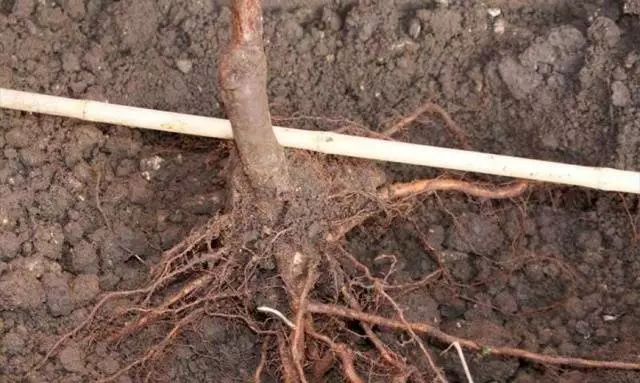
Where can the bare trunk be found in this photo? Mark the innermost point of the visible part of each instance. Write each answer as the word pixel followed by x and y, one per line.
pixel 243 82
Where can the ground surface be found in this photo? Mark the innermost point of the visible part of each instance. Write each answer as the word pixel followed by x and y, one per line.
pixel 85 208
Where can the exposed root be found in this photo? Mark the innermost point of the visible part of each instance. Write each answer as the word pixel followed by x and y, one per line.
pixel 163 309
pixel 343 352
pixel 388 355
pixel 257 375
pixel 86 322
pixel 429 107
pixel 401 190
pixel 427 329
pixel 415 337
pixel 281 316
pixel 289 373
pixel 298 343
pixel 378 286
pixel 158 349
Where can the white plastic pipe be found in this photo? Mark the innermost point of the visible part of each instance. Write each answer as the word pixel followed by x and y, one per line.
pixel 330 143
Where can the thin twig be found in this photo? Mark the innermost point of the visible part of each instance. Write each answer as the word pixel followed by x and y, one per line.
pixel 329 309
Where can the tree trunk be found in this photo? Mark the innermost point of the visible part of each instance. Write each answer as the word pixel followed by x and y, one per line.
pixel 243 83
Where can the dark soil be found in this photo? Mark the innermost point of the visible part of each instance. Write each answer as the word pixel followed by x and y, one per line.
pixel 86 208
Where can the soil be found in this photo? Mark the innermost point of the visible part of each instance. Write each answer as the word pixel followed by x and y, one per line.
pixel 87 208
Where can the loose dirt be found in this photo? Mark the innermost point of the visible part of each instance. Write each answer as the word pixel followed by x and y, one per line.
pixel 86 208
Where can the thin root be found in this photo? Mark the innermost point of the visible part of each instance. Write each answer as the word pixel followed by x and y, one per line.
pixel 343 352
pixel 401 190
pixel 257 376
pixel 463 361
pixel 431 108
pixel 424 328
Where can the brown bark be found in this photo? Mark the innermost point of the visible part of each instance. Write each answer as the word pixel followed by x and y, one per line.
pixel 243 84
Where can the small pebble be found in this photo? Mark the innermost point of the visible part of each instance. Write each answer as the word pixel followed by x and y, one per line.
pixel 414 28
pixel 184 65
pixel 494 12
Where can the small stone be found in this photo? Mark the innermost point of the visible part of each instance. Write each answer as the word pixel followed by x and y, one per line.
pixel 72 359
pixel 620 94
pixel 184 65
pixel 494 12
pixel 414 28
